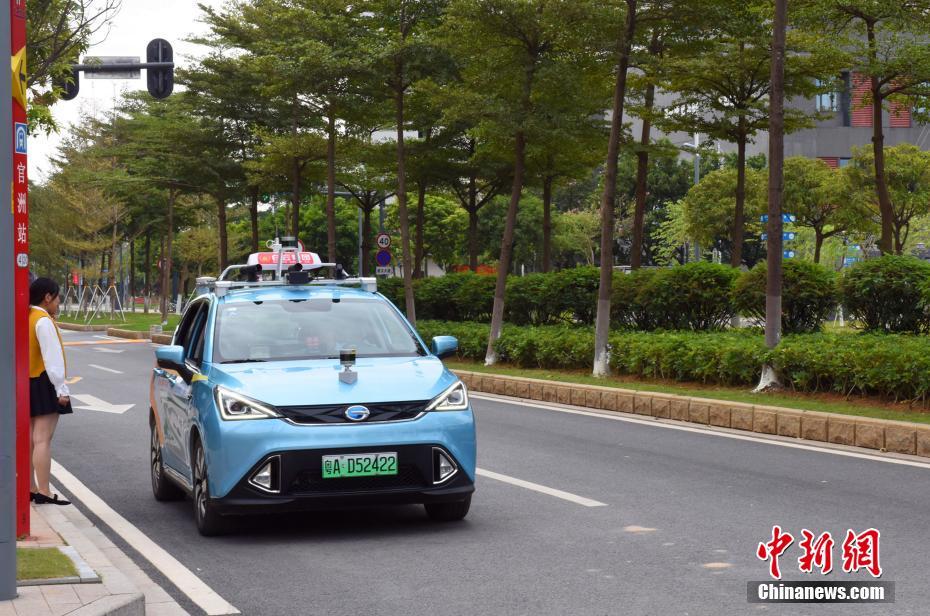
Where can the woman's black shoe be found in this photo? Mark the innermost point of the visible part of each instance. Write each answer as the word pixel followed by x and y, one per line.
pixel 41 499
pixel 32 497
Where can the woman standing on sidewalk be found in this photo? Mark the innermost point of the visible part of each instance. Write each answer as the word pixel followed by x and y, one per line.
pixel 48 392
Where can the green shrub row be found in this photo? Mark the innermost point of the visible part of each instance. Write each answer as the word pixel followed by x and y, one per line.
pixel 895 366
pixel 889 294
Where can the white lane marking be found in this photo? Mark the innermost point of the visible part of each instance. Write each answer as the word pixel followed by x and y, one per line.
pixel 103 350
pixel 179 575
pixel 104 368
pixel 529 485
pixel 105 337
pixel 93 403
pixel 661 423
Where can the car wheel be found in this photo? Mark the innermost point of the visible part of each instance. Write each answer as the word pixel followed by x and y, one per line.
pixel 209 522
pixel 162 487
pixel 448 512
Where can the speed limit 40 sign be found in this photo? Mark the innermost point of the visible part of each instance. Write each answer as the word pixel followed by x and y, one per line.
pixel 383 240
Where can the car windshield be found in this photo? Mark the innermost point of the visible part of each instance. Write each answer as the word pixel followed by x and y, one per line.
pixel 315 328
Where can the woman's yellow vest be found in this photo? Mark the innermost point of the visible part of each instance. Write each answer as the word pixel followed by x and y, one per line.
pixel 36 363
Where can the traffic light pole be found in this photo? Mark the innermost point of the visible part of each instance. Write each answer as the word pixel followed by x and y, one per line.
pixel 7 339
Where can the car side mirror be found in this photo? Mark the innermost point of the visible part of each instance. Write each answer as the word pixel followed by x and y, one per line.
pixel 444 346
pixel 170 357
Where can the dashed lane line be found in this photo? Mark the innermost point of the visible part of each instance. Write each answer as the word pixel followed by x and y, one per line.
pixel 104 368
pixel 529 485
pixel 179 575
pixel 99 342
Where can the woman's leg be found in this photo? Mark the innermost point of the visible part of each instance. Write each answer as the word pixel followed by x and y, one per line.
pixel 32 468
pixel 43 428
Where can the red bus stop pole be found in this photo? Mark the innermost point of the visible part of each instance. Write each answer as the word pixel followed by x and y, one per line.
pixel 20 207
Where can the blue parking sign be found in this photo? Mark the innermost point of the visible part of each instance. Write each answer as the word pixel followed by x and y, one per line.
pixel 21 132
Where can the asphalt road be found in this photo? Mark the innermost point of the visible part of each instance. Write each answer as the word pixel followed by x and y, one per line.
pixel 684 513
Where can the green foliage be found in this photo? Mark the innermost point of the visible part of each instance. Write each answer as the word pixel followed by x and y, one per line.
pixel 694 296
pixel 809 294
pixel 631 307
pixel 527 300
pixel 572 293
pixel 884 294
pixel 892 366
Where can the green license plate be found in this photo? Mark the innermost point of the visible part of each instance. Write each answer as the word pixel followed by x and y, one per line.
pixel 360 465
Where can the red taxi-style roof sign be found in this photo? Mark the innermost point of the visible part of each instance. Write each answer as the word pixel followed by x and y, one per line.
pixel 307 259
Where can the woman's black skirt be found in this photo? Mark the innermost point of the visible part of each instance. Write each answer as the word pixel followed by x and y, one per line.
pixel 42 398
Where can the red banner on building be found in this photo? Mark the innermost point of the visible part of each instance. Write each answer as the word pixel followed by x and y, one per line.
pixel 20 207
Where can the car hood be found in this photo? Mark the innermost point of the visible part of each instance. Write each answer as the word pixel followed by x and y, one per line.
pixel 312 382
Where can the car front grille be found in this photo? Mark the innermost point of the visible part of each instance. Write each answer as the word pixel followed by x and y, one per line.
pixel 335 413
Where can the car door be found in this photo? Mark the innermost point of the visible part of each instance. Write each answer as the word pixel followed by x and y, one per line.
pixel 176 394
pixel 193 363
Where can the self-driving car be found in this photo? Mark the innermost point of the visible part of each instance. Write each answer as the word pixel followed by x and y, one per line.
pixel 286 391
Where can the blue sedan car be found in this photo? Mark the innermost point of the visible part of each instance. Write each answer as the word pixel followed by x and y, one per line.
pixel 277 396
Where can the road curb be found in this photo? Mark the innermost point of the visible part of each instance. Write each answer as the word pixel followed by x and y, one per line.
pixel 75 327
pixel 127 333
pixel 162 338
pixel 877 434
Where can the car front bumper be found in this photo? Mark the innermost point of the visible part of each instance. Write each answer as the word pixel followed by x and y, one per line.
pixel 301 486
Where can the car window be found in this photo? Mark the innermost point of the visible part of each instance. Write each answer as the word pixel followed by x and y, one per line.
pixel 194 351
pixel 184 327
pixel 315 328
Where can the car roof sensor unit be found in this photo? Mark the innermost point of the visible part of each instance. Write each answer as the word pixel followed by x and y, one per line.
pixel 296 275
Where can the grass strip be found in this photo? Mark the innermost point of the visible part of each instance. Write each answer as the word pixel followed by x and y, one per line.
pixel 823 402
pixel 135 321
pixel 43 564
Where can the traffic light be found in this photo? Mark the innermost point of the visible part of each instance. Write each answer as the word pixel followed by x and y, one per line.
pixel 160 80
pixel 69 85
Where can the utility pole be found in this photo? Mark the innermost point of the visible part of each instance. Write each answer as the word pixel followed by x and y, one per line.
pixel 8 305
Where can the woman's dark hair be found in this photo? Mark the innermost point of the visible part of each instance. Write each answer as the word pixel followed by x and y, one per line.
pixel 41 287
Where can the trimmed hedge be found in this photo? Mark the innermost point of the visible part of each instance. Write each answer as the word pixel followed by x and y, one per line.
pixel 886 294
pixel 809 295
pixel 892 366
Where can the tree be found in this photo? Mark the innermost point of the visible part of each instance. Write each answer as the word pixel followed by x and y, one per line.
pixel 709 208
pixel 814 193
pixel 884 41
pixel 624 46
pixel 58 32
pixel 723 89
pixel 907 175
pixel 511 53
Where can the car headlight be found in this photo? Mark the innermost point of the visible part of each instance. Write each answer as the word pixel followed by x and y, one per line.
pixel 454 398
pixel 234 407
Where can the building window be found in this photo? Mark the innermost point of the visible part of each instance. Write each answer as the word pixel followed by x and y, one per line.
pixel 844 162
pixel 827 101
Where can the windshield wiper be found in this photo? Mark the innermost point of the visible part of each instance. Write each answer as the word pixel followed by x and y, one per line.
pixel 242 361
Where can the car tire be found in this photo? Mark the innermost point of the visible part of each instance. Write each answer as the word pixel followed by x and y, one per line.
pixel 163 488
pixel 448 512
pixel 209 522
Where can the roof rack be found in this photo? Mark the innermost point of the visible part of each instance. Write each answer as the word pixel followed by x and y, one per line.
pixel 285 251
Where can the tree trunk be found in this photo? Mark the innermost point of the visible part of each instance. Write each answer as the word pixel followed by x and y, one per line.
pixel 602 321
pixel 166 290
pixel 364 266
pixel 472 223
pixel 547 224
pixel 421 220
pixel 818 243
pixel 878 149
pixel 162 309
pixel 253 217
pixel 642 175
pixel 402 191
pixel 773 283
pixel 224 234
pixel 111 280
pixel 739 223
pixel 147 282
pixel 295 199
pixel 497 312
pixel 331 186
pixel 132 271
